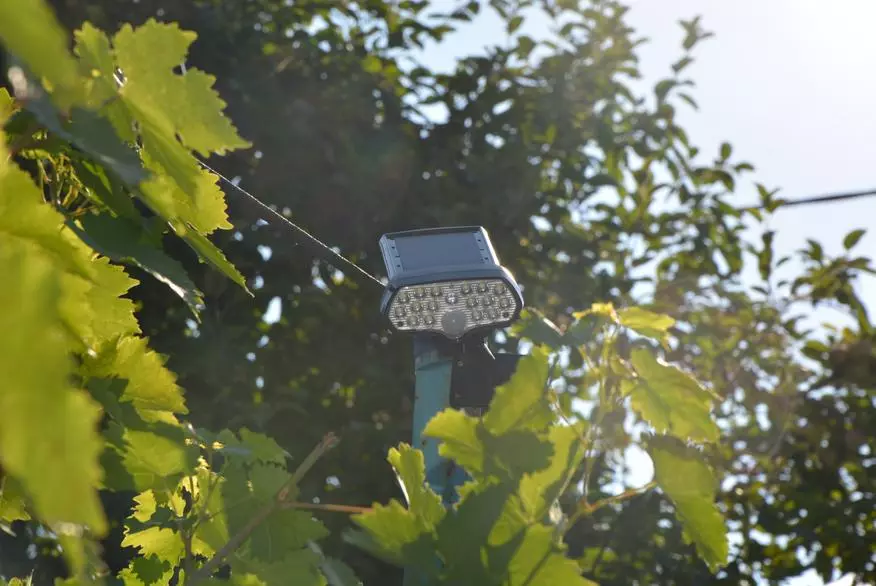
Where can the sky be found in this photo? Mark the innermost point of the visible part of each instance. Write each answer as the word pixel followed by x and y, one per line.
pixel 789 83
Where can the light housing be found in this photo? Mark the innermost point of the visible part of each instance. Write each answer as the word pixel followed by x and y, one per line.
pixel 447 281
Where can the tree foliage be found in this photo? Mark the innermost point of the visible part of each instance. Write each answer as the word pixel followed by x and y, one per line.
pixel 590 191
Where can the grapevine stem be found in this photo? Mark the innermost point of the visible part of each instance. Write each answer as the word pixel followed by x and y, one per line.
pixel 205 571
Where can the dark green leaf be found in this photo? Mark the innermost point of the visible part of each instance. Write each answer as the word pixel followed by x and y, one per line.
pixel 852 238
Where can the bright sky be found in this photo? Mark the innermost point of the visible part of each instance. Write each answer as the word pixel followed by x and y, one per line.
pixel 789 83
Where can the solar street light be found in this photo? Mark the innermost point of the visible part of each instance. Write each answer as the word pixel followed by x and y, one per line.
pixel 447 281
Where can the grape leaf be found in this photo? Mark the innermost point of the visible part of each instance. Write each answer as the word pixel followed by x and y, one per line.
pixel 150 386
pixel 25 217
pixel 30 31
pixel 96 309
pixel 647 323
pixel 458 433
pixel 671 400
pixel 12 501
pixel 690 484
pixel 203 207
pixel 96 57
pixel 7 106
pixel 147 55
pixel 300 568
pixel 156 459
pixel 522 402
pixel 284 530
pixel 161 542
pixel 124 241
pixel 538 561
pixel 463 535
pixel 392 533
pixel 468 442
pixel 41 418
pixel 146 571
pixel 337 573
pixel 410 470
pixel 540 489
pixel 263 448
pixel 208 252
pixel 145 506
pixel 96 135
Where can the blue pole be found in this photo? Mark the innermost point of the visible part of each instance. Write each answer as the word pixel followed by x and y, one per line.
pixel 433 368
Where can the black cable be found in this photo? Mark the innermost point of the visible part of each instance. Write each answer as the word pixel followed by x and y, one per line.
pixel 310 237
pixel 827 198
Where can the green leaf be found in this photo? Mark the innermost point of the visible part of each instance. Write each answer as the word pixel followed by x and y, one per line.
pixel 410 469
pixel 514 24
pixel 147 571
pixel 468 442
pixel 147 55
pixel 125 241
pixel 212 532
pixel 852 238
pixel 25 217
pixel 670 399
pixel 460 439
pixel 150 387
pixel 203 207
pixel 13 506
pixel 522 402
pixel 96 58
pixel 161 542
pixel 96 136
pixel 689 482
pixel 41 418
pixel 30 31
pixel 647 323
pixel 156 459
pixel 464 534
pixel 284 530
pixel 536 327
pixel 539 490
pixel 95 310
pixel 208 252
pixel 263 448
pixel 145 506
pixel 300 568
pixel 105 189
pixel 392 533
pixel 337 573
pixel 538 561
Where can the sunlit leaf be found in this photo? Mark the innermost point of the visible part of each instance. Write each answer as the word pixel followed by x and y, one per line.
pixel 647 323
pixel 30 31
pixel 148 55
pixel 410 470
pixel 689 482
pixel 150 385
pixel 41 418
pixel 522 402
pixel 671 400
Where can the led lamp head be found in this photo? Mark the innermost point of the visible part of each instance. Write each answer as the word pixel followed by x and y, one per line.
pixel 447 281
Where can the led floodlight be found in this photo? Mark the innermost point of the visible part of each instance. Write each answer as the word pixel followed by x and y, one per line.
pixel 448 281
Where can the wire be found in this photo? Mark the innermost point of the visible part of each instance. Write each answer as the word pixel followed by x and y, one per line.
pixel 818 199
pixel 829 198
pixel 815 199
pixel 313 239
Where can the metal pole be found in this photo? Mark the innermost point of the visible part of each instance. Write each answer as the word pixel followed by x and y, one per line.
pixel 433 367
